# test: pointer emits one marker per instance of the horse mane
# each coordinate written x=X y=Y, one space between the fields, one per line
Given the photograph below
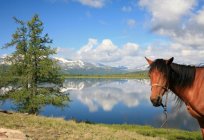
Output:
x=177 y=75
x=181 y=75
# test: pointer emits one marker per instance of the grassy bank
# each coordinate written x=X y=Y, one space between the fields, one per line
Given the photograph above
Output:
x=38 y=127
x=141 y=75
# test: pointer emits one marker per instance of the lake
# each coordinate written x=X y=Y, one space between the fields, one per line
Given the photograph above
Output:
x=114 y=101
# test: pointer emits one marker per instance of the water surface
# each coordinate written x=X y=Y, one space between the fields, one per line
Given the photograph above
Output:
x=115 y=102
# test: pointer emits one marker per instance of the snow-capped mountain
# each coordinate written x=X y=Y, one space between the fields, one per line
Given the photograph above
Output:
x=142 y=68
x=2 y=61
x=80 y=67
x=66 y=63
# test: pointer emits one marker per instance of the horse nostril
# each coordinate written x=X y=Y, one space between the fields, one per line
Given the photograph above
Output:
x=156 y=101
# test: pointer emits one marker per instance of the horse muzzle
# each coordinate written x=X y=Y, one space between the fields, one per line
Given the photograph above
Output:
x=156 y=101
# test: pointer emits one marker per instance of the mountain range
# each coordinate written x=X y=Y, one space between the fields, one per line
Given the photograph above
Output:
x=84 y=68
x=2 y=60
x=79 y=67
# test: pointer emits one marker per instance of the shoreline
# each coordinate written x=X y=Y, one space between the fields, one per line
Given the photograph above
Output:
x=40 y=127
x=114 y=76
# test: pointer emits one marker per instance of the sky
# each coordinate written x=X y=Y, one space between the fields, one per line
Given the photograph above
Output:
x=114 y=32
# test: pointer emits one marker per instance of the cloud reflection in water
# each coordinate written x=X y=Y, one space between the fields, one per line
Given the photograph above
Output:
x=108 y=93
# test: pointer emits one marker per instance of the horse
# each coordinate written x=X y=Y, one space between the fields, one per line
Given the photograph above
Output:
x=185 y=81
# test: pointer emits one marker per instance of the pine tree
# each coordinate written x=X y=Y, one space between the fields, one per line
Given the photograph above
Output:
x=32 y=66
x=17 y=70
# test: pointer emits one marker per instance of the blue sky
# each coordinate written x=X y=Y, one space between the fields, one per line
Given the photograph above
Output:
x=114 y=32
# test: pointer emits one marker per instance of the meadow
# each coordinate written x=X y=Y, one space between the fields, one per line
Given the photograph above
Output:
x=43 y=128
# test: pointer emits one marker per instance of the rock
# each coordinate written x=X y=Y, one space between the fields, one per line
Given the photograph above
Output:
x=9 y=134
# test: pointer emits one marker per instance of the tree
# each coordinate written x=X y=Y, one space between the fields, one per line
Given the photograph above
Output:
x=31 y=64
x=4 y=80
x=18 y=59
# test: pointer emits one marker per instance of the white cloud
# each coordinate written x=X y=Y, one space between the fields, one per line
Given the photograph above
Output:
x=93 y=3
x=132 y=55
x=200 y=17
x=107 y=52
x=106 y=46
x=167 y=10
x=88 y=46
x=168 y=17
x=180 y=21
x=126 y=8
x=131 y=22
x=130 y=49
x=90 y=3
x=182 y=54
x=104 y=52
x=189 y=38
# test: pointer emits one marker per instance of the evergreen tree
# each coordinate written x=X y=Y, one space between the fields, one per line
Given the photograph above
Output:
x=17 y=70
x=32 y=66
x=4 y=80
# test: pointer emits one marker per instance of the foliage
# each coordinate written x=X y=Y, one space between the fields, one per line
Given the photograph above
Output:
x=30 y=62
x=4 y=80
x=31 y=65
x=28 y=103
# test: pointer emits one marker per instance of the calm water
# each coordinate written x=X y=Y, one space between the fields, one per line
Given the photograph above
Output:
x=115 y=102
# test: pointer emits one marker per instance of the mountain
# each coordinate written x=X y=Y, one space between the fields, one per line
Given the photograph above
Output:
x=1 y=60
x=142 y=68
x=80 y=67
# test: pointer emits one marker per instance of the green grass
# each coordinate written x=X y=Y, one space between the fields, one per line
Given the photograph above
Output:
x=170 y=134
x=38 y=127
x=136 y=75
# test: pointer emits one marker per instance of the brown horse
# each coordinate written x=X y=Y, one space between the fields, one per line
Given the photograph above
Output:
x=187 y=82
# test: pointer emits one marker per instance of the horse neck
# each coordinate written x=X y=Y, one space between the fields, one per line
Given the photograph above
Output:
x=181 y=93
x=181 y=81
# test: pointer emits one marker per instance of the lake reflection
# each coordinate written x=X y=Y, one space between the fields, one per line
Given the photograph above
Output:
x=108 y=94
x=115 y=101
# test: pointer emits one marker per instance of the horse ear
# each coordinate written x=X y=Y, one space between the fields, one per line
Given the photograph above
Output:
x=169 y=61
x=149 y=61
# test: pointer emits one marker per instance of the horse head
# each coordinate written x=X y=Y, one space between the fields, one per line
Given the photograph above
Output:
x=159 y=79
